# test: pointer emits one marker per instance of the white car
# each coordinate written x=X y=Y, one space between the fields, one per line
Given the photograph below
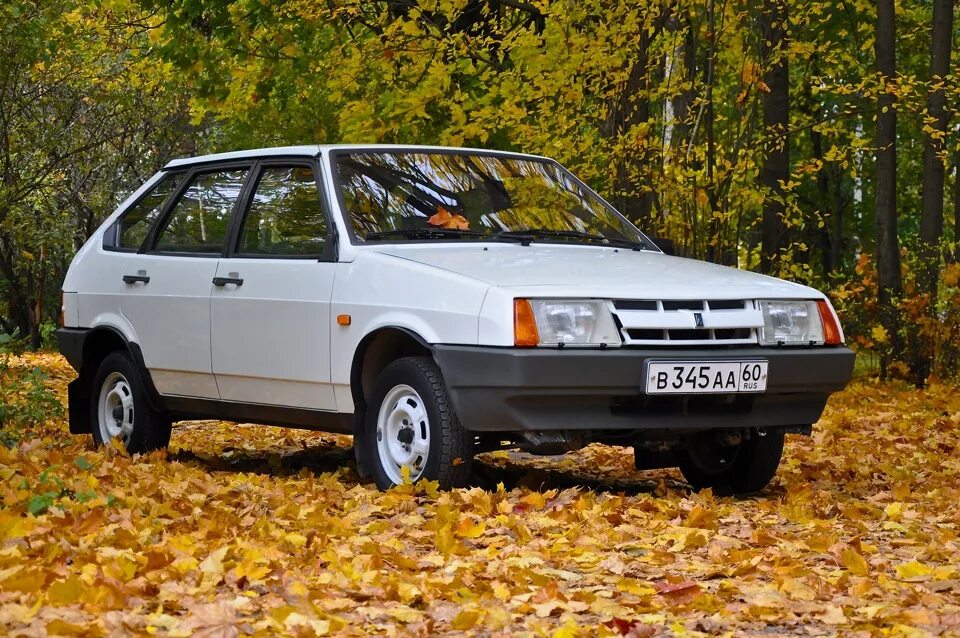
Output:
x=434 y=303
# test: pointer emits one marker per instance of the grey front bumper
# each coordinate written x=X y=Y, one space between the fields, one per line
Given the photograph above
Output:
x=513 y=389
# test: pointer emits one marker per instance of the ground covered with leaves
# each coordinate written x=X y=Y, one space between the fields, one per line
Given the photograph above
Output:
x=257 y=530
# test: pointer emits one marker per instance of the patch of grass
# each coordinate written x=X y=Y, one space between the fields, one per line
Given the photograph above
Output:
x=25 y=400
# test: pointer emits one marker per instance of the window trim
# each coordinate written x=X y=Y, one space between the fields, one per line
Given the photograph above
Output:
x=149 y=243
x=355 y=240
x=114 y=228
x=329 y=253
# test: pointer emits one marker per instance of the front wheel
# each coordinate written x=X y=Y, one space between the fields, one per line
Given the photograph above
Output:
x=737 y=463
x=411 y=430
x=119 y=408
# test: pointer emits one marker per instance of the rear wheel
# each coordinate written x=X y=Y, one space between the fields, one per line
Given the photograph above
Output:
x=412 y=430
x=119 y=408
x=737 y=463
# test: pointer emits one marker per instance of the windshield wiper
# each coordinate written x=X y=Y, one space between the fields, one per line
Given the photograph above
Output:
x=438 y=233
x=423 y=233
x=534 y=233
x=524 y=237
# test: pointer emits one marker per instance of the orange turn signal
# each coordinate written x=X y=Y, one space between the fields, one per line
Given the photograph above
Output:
x=524 y=324
x=831 y=328
x=343 y=320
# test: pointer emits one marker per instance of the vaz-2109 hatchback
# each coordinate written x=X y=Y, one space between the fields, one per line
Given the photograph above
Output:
x=434 y=303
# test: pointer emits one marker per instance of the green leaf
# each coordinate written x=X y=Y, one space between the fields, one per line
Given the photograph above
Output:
x=40 y=503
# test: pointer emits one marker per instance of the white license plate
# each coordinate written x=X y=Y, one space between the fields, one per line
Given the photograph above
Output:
x=706 y=377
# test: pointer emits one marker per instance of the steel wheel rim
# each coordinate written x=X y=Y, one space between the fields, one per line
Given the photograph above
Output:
x=115 y=412
x=403 y=433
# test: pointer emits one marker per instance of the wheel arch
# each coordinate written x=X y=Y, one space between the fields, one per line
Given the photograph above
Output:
x=98 y=343
x=377 y=350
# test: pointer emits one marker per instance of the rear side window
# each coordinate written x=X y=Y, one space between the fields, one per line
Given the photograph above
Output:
x=134 y=225
x=199 y=220
x=285 y=217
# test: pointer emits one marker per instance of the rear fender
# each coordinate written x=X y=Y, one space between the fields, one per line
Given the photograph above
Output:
x=97 y=343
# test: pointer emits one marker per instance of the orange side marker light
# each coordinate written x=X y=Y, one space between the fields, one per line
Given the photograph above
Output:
x=343 y=320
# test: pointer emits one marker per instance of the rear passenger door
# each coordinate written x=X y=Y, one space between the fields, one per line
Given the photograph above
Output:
x=270 y=323
x=167 y=284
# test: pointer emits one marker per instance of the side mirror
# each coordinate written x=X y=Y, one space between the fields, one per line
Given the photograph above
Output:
x=666 y=245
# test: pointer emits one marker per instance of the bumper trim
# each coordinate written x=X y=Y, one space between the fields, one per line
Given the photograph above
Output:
x=508 y=389
x=70 y=342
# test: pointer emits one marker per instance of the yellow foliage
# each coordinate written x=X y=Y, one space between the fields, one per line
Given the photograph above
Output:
x=242 y=529
x=855 y=562
x=914 y=571
x=879 y=334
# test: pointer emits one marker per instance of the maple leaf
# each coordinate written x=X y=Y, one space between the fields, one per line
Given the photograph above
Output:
x=856 y=563
x=632 y=628
x=678 y=592
x=445 y=219
x=213 y=620
x=914 y=571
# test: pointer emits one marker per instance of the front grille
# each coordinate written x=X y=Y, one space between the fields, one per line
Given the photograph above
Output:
x=727 y=304
x=688 y=321
x=628 y=304
x=731 y=333
x=682 y=305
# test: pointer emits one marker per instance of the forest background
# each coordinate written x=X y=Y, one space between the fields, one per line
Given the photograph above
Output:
x=816 y=141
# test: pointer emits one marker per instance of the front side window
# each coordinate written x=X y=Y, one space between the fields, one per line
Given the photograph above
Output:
x=468 y=195
x=134 y=225
x=285 y=217
x=199 y=220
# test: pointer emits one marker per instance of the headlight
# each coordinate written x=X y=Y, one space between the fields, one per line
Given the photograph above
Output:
x=791 y=323
x=569 y=322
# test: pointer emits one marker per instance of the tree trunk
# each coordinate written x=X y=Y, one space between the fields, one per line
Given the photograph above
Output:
x=632 y=108
x=931 y=201
x=685 y=61
x=956 y=205
x=839 y=206
x=715 y=241
x=20 y=314
x=888 y=247
x=776 y=123
x=823 y=237
x=931 y=221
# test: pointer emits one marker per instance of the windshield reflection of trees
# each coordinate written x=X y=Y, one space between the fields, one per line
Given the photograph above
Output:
x=401 y=190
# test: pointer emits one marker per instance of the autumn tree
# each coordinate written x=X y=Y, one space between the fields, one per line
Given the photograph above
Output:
x=78 y=122
x=885 y=211
x=743 y=130
x=935 y=127
x=934 y=160
x=776 y=123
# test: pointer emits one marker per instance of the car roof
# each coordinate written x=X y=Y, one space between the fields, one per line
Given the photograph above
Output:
x=313 y=150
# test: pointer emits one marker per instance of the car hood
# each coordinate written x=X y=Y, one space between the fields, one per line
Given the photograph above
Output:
x=596 y=271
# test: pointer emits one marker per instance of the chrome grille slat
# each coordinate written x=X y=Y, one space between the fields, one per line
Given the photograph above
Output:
x=675 y=321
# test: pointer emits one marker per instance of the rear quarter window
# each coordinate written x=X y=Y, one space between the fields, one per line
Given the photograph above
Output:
x=129 y=232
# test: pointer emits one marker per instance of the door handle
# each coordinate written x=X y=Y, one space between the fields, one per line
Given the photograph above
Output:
x=132 y=279
x=223 y=281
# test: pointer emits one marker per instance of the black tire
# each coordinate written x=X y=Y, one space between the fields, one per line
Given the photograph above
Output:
x=150 y=429
x=450 y=453
x=750 y=467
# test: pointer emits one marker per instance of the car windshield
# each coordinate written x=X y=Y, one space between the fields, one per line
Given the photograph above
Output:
x=419 y=195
